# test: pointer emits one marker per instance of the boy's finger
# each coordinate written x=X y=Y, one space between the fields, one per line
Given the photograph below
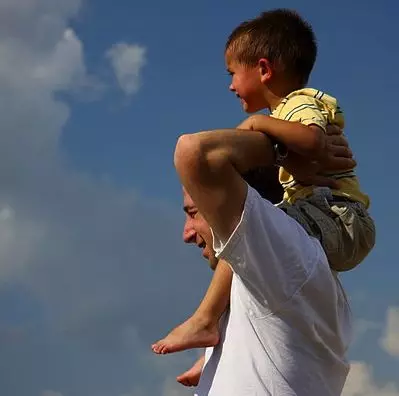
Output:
x=341 y=151
x=338 y=164
x=336 y=140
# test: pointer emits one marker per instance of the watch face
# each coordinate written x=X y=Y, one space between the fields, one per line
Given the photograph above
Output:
x=282 y=150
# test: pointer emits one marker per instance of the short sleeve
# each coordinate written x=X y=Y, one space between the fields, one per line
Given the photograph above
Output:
x=269 y=251
x=306 y=110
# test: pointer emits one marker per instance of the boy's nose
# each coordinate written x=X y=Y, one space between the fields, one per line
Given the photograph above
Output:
x=231 y=88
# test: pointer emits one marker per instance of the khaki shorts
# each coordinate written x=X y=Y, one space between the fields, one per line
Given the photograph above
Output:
x=344 y=228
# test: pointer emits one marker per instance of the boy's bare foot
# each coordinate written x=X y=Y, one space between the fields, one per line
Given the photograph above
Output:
x=191 y=377
x=193 y=333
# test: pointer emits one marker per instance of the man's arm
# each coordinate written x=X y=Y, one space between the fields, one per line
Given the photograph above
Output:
x=306 y=140
x=210 y=165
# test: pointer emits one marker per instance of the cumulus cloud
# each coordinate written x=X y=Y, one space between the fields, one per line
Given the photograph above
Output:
x=361 y=383
x=128 y=61
x=78 y=264
x=363 y=326
x=64 y=67
x=390 y=339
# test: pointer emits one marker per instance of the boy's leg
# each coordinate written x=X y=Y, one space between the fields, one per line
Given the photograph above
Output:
x=357 y=233
x=344 y=228
x=202 y=328
x=192 y=376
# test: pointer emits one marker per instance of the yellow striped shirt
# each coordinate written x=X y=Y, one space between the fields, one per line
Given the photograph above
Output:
x=313 y=107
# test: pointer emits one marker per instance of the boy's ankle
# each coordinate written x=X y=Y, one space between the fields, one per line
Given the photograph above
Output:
x=205 y=319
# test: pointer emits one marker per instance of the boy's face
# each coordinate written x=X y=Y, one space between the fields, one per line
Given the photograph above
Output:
x=246 y=83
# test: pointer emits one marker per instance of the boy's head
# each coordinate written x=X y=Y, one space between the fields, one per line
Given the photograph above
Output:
x=270 y=56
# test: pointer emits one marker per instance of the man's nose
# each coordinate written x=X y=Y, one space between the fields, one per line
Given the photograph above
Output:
x=188 y=233
x=231 y=87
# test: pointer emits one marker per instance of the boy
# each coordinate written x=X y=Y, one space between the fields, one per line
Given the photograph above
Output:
x=270 y=59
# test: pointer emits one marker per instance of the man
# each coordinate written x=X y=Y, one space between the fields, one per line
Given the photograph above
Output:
x=288 y=326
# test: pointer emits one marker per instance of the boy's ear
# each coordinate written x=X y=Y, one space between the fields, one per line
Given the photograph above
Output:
x=265 y=70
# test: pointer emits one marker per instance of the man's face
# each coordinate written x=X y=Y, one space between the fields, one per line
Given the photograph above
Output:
x=196 y=230
x=246 y=83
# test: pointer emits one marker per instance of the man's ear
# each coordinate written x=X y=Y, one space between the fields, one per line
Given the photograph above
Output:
x=265 y=70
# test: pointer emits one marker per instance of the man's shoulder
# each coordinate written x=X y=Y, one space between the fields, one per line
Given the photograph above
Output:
x=270 y=252
x=264 y=226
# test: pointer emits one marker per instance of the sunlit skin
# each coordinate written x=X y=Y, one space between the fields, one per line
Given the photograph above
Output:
x=200 y=330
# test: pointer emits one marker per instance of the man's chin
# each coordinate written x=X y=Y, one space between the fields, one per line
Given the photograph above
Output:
x=212 y=260
x=213 y=263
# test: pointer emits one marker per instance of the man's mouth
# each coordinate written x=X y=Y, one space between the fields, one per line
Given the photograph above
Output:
x=202 y=246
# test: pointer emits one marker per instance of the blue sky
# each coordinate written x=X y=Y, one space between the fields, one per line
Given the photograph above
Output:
x=93 y=268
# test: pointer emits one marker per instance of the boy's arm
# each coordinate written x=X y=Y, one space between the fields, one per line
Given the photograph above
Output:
x=307 y=140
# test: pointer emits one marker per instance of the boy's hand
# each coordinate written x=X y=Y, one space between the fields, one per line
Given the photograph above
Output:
x=338 y=157
x=248 y=124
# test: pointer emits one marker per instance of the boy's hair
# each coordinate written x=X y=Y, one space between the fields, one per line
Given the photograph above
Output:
x=282 y=37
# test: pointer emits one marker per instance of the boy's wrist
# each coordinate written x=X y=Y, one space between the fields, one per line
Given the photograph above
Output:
x=259 y=122
x=280 y=153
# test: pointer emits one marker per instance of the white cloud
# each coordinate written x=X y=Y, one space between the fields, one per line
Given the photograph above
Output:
x=361 y=383
x=363 y=326
x=128 y=61
x=64 y=67
x=79 y=251
x=390 y=339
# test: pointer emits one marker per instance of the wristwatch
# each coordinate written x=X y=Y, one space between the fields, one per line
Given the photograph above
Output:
x=280 y=153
